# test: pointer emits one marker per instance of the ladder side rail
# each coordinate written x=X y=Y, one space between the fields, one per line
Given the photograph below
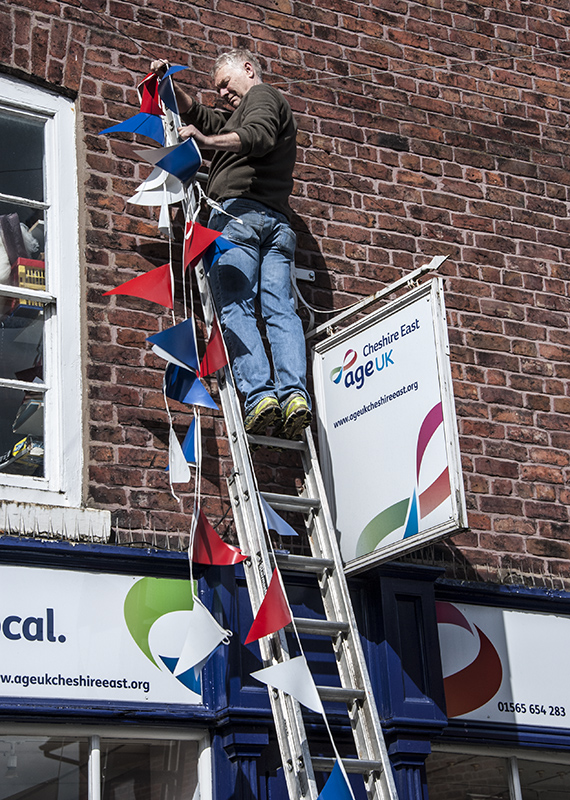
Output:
x=352 y=665
x=244 y=494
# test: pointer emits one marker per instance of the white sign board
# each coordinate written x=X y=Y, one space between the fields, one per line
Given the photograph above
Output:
x=387 y=429
x=98 y=637
x=505 y=666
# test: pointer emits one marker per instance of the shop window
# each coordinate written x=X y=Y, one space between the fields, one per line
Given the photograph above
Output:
x=41 y=455
x=464 y=776
x=542 y=780
x=455 y=776
x=93 y=767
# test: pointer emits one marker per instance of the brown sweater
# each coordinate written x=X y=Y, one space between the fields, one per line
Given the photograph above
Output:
x=263 y=169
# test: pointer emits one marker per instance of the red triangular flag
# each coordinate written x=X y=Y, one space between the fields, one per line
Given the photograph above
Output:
x=197 y=240
x=148 y=92
x=274 y=613
x=209 y=548
x=155 y=286
x=215 y=356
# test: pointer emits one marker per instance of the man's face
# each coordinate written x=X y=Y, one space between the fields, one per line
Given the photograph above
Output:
x=233 y=82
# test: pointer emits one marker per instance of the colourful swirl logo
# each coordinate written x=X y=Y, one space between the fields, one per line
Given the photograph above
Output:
x=478 y=682
x=412 y=509
x=338 y=372
x=156 y=613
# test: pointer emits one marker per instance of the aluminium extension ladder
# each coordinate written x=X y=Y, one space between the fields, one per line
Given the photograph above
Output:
x=325 y=563
x=340 y=624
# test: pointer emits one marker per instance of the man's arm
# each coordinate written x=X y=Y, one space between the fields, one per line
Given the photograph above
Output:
x=230 y=142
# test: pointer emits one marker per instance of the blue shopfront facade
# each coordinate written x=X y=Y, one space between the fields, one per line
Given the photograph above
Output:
x=223 y=741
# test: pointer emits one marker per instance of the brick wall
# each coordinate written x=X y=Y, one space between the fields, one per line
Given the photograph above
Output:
x=428 y=128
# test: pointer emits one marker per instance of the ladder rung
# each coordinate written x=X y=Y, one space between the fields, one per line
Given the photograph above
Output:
x=357 y=765
x=319 y=627
x=290 y=502
x=340 y=694
x=303 y=563
x=273 y=441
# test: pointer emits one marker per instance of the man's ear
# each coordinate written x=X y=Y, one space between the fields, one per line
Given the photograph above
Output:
x=249 y=69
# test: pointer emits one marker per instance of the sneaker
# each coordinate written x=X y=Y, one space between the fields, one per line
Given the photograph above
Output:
x=296 y=417
x=265 y=414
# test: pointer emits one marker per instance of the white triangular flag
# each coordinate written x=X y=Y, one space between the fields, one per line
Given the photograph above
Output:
x=159 y=187
x=204 y=635
x=177 y=464
x=164 y=217
x=293 y=677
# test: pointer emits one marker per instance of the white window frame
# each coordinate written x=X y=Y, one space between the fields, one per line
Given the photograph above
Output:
x=53 y=504
x=94 y=734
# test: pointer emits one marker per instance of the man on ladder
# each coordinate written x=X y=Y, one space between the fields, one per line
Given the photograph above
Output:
x=251 y=178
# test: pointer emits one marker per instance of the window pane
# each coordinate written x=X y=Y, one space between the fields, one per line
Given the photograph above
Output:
x=134 y=770
x=21 y=340
x=22 y=244
x=540 y=781
x=21 y=432
x=454 y=776
x=43 y=768
x=21 y=156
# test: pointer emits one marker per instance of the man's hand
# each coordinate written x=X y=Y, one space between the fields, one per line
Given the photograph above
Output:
x=229 y=142
x=159 y=66
x=190 y=132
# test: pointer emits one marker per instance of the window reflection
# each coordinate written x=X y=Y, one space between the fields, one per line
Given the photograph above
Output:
x=57 y=768
x=21 y=156
x=43 y=768
x=22 y=246
x=454 y=776
x=543 y=781
x=21 y=432
x=148 y=770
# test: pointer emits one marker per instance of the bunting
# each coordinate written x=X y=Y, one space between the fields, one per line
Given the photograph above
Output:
x=337 y=786
x=181 y=160
x=204 y=636
x=196 y=241
x=177 y=345
x=144 y=124
x=184 y=386
x=293 y=677
x=177 y=464
x=209 y=548
x=274 y=522
x=215 y=357
x=148 y=95
x=274 y=612
x=155 y=286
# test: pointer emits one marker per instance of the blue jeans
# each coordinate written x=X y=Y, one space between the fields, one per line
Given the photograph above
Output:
x=259 y=268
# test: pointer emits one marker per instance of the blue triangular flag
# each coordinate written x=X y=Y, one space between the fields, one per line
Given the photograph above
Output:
x=178 y=342
x=184 y=386
x=166 y=89
x=183 y=162
x=144 y=124
x=336 y=788
x=275 y=522
x=171 y=70
x=189 y=443
x=214 y=251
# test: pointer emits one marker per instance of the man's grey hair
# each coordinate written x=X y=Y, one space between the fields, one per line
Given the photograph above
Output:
x=237 y=58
